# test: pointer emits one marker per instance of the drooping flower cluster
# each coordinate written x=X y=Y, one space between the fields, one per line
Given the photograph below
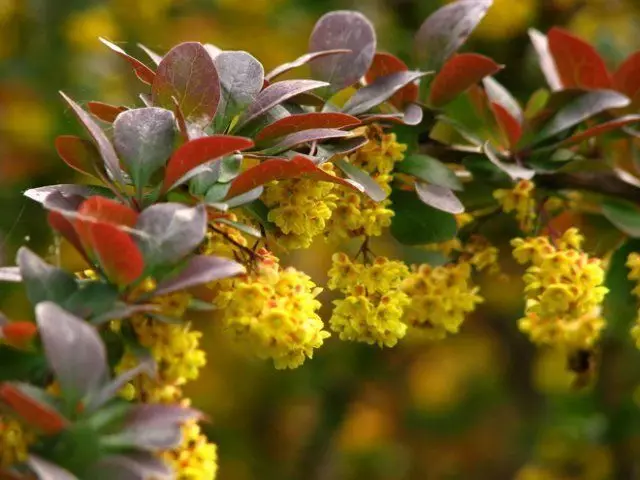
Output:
x=273 y=311
x=355 y=214
x=563 y=291
x=372 y=309
x=520 y=200
x=14 y=442
x=633 y=263
x=441 y=297
x=196 y=458
x=300 y=208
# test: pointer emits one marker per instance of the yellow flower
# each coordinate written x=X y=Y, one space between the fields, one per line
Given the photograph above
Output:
x=196 y=458
x=441 y=297
x=274 y=312
x=14 y=442
x=563 y=292
x=633 y=263
x=481 y=254
x=521 y=201
x=372 y=309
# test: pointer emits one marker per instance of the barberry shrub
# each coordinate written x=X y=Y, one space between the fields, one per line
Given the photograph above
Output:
x=223 y=167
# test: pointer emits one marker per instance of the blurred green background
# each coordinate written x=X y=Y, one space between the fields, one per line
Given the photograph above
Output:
x=481 y=405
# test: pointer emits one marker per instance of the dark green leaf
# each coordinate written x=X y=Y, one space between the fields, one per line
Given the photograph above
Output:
x=415 y=223
x=430 y=170
x=624 y=215
x=43 y=281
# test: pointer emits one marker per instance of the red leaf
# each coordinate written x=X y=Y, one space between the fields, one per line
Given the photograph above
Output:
x=79 y=154
x=33 y=412
x=509 y=125
x=144 y=73
x=385 y=64
x=199 y=151
x=306 y=121
x=601 y=129
x=459 y=74
x=280 y=169
x=578 y=63
x=19 y=333
x=64 y=227
x=104 y=111
x=119 y=257
x=627 y=78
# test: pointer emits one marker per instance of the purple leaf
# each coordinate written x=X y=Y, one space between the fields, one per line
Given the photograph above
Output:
x=330 y=152
x=500 y=95
x=170 y=231
x=40 y=194
x=306 y=58
x=547 y=64
x=188 y=73
x=362 y=178
x=382 y=89
x=275 y=94
x=107 y=152
x=132 y=466
x=10 y=274
x=48 y=471
x=347 y=30
x=144 y=138
x=199 y=270
x=441 y=198
x=516 y=172
x=413 y=114
x=74 y=350
x=43 y=281
x=444 y=32
x=241 y=78
x=212 y=50
x=305 y=136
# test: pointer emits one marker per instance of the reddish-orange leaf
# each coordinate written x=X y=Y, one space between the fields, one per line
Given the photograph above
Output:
x=144 y=73
x=579 y=65
x=385 y=64
x=627 y=78
x=201 y=150
x=19 y=333
x=458 y=74
x=104 y=111
x=281 y=169
x=33 y=412
x=79 y=154
x=509 y=125
x=306 y=121
x=601 y=129
x=64 y=227
x=119 y=257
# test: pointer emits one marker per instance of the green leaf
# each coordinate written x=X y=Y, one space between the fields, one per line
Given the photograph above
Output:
x=18 y=365
x=92 y=300
x=624 y=215
x=415 y=223
x=230 y=168
x=620 y=305
x=43 y=281
x=430 y=170
x=259 y=211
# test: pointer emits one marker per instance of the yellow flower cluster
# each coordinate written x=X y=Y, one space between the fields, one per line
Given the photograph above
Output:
x=196 y=458
x=481 y=254
x=633 y=263
x=520 y=200
x=354 y=214
x=441 y=297
x=14 y=442
x=372 y=309
x=563 y=291
x=300 y=208
x=273 y=310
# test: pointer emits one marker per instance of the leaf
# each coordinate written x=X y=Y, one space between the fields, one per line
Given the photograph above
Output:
x=582 y=108
x=101 y=141
x=25 y=400
x=516 y=172
x=294 y=140
x=302 y=60
x=74 y=351
x=241 y=77
x=384 y=64
x=600 y=130
x=281 y=169
x=144 y=73
x=92 y=299
x=10 y=274
x=458 y=75
x=188 y=73
x=79 y=154
x=144 y=138
x=19 y=364
x=131 y=467
x=200 y=269
x=620 y=305
x=430 y=170
x=627 y=78
x=362 y=178
x=40 y=194
x=413 y=114
x=441 y=198
x=18 y=333
x=47 y=470
x=547 y=64
x=170 y=232
x=104 y=111
x=197 y=152
x=328 y=152
x=306 y=121
x=275 y=94
x=415 y=223
x=119 y=257
x=155 y=58
x=578 y=64
x=43 y=281
x=509 y=125
x=624 y=215
x=496 y=93
x=347 y=30
x=380 y=91
x=444 y=32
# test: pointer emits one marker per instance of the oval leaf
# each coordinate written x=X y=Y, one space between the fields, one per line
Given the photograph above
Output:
x=48 y=471
x=105 y=112
x=302 y=60
x=430 y=170
x=43 y=281
x=624 y=215
x=441 y=198
x=601 y=129
x=347 y=30
x=200 y=269
x=547 y=64
x=627 y=78
x=144 y=73
x=306 y=121
x=79 y=154
x=298 y=138
x=27 y=402
x=362 y=178
x=458 y=75
x=516 y=172
x=385 y=64
x=496 y=93
x=119 y=257
x=508 y=124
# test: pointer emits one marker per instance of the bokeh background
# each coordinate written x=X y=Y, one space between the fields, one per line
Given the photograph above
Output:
x=481 y=405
